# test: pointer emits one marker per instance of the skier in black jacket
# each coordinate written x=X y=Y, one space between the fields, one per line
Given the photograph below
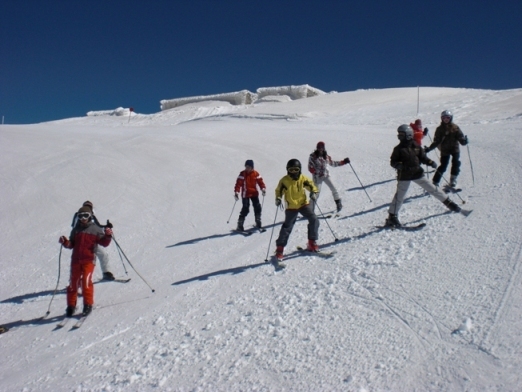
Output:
x=407 y=158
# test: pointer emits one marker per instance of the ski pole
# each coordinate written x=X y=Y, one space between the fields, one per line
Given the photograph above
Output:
x=232 y=211
x=471 y=164
x=57 y=282
x=271 y=234
x=336 y=239
x=360 y=182
x=122 y=263
x=128 y=261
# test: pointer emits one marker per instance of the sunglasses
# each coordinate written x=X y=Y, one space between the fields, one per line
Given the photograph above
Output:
x=446 y=117
x=84 y=215
x=293 y=170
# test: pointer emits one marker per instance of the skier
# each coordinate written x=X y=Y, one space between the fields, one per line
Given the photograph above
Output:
x=84 y=238
x=318 y=165
x=418 y=132
x=447 y=138
x=292 y=187
x=246 y=184
x=102 y=255
x=406 y=158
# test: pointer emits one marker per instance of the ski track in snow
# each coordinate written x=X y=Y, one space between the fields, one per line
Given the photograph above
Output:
x=434 y=309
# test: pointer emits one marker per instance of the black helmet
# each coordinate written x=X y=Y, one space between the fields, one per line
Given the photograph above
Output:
x=291 y=166
x=293 y=163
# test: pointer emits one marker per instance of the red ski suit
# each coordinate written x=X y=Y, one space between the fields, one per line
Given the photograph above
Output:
x=83 y=241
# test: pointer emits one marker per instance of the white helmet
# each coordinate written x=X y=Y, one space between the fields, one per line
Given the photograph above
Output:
x=405 y=132
x=447 y=113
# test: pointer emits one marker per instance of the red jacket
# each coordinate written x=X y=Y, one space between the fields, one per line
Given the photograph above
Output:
x=247 y=182
x=418 y=133
x=83 y=241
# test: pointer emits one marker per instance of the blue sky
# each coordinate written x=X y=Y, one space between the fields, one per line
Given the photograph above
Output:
x=61 y=59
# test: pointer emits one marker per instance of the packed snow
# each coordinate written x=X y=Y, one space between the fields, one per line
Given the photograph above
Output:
x=435 y=309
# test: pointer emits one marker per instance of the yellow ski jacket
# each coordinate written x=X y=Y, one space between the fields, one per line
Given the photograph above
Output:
x=294 y=191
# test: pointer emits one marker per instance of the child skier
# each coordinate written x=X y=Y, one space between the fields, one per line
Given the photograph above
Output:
x=292 y=187
x=102 y=255
x=406 y=158
x=447 y=137
x=246 y=184
x=418 y=132
x=84 y=239
x=318 y=165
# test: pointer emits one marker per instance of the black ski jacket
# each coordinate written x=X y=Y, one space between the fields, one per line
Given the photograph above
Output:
x=409 y=155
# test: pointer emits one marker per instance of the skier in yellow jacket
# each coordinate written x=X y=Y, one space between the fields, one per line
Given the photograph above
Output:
x=292 y=187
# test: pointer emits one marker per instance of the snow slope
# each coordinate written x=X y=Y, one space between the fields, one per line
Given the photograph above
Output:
x=437 y=309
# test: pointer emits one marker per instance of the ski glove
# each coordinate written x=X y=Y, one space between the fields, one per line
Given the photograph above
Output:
x=426 y=130
x=433 y=165
x=278 y=202
x=108 y=231
x=236 y=196
x=346 y=160
x=62 y=240
x=466 y=141
x=398 y=166
x=427 y=149
x=313 y=196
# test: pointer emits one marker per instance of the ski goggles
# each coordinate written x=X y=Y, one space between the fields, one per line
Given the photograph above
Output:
x=84 y=215
x=293 y=170
x=446 y=117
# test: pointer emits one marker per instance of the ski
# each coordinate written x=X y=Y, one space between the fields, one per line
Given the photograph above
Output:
x=319 y=253
x=243 y=233
x=117 y=280
x=450 y=189
x=3 y=329
x=64 y=322
x=403 y=228
x=465 y=212
x=80 y=321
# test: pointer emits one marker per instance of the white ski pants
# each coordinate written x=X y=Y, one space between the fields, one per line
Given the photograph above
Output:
x=402 y=189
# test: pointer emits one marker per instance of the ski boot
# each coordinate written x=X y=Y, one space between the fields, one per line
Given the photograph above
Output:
x=453 y=181
x=258 y=221
x=279 y=254
x=451 y=205
x=393 y=221
x=69 y=311
x=108 y=276
x=87 y=309
x=240 y=223
x=312 y=246
x=339 y=205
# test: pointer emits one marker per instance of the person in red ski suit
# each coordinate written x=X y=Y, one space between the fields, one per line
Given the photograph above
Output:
x=418 y=132
x=84 y=239
x=246 y=185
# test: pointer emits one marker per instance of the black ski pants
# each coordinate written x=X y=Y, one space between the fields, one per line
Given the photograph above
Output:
x=246 y=206
x=291 y=216
x=444 y=161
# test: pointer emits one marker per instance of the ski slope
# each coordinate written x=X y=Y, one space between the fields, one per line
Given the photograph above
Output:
x=436 y=309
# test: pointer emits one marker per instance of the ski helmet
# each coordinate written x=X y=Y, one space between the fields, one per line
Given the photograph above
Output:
x=447 y=113
x=291 y=166
x=405 y=132
x=320 y=145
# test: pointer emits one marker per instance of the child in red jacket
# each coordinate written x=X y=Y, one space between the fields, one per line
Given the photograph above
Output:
x=246 y=184
x=84 y=239
x=418 y=132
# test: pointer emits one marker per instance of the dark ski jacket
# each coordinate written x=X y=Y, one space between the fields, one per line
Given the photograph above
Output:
x=410 y=155
x=447 y=138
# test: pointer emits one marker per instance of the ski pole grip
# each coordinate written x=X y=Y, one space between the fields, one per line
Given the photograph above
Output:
x=109 y=224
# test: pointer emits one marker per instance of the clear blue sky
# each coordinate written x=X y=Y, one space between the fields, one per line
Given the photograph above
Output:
x=62 y=58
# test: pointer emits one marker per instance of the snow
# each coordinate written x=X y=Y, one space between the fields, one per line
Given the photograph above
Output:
x=436 y=309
